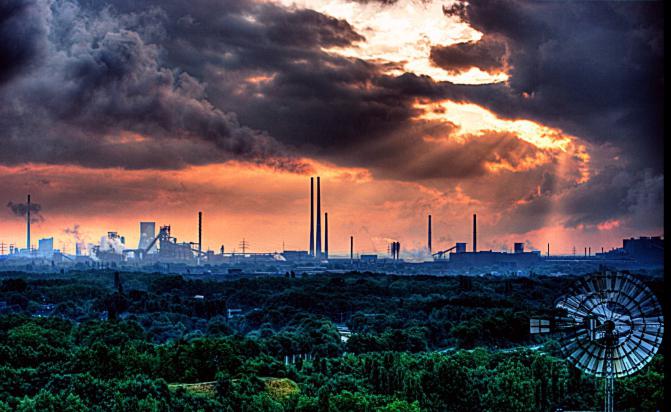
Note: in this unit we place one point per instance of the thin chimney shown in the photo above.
(28, 226)
(429, 234)
(312, 216)
(326, 235)
(319, 221)
(351, 248)
(475, 232)
(200, 233)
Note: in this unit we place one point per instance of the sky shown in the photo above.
(543, 117)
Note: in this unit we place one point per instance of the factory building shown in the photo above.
(147, 235)
(169, 249)
(296, 255)
(45, 247)
(644, 250)
(460, 258)
(490, 258)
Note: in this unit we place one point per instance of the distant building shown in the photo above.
(490, 258)
(460, 248)
(147, 235)
(46, 246)
(368, 258)
(296, 255)
(645, 249)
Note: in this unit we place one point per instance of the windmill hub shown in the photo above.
(609, 326)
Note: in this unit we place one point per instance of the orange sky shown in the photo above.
(269, 208)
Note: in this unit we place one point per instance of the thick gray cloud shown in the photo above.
(632, 199)
(21, 26)
(100, 81)
(487, 54)
(594, 69)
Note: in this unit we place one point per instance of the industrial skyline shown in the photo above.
(317, 242)
(550, 132)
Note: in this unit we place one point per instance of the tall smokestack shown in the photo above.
(312, 216)
(28, 226)
(326, 235)
(475, 232)
(318, 241)
(351, 248)
(200, 233)
(429, 235)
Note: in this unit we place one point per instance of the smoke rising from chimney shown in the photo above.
(112, 244)
(21, 210)
(74, 232)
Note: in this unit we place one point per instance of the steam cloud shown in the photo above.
(112, 245)
(74, 232)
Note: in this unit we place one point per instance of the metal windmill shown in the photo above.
(611, 326)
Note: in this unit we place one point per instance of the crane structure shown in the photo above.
(441, 254)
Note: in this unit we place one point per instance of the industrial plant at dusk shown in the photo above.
(332, 206)
(159, 250)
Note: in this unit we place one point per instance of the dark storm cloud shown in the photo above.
(617, 194)
(631, 198)
(100, 81)
(316, 101)
(20, 30)
(487, 54)
(122, 84)
(320, 104)
(594, 69)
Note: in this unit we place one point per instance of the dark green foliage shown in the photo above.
(417, 343)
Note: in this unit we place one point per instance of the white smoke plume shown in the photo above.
(111, 244)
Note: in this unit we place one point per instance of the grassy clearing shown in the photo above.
(280, 388)
(200, 388)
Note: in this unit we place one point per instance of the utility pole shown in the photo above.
(244, 245)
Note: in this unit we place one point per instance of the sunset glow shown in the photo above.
(403, 33)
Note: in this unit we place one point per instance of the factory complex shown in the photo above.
(157, 250)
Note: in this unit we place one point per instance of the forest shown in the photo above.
(125, 341)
